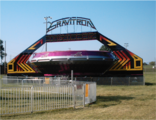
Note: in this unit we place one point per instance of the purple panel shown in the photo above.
(73, 53)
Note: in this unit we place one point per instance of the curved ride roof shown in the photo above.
(72, 55)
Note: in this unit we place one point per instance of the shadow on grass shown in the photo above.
(28, 114)
(106, 101)
(147, 83)
(113, 98)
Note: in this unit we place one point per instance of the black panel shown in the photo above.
(71, 37)
(137, 63)
(10, 67)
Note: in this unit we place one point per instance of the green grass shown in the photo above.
(113, 102)
(150, 78)
(148, 66)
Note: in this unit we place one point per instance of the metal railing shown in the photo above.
(16, 81)
(40, 98)
(35, 81)
(114, 80)
(29, 95)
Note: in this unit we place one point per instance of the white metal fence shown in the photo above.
(19, 81)
(35, 81)
(17, 96)
(114, 80)
(30, 99)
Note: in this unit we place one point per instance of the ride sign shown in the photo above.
(70, 21)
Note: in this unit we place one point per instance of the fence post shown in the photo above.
(74, 96)
(32, 99)
(17, 80)
(59, 80)
(84, 94)
(0, 82)
(143, 80)
(111, 80)
(72, 75)
(39, 80)
(129, 81)
(22, 84)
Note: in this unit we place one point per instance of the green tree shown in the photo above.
(152, 63)
(1, 49)
(145, 63)
(103, 47)
(2, 53)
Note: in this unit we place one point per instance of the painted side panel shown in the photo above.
(18, 65)
(128, 61)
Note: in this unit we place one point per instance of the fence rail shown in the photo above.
(114, 80)
(38, 81)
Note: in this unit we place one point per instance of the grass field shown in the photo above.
(113, 102)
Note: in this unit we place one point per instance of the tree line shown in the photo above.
(2, 55)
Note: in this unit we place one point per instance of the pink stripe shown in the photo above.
(72, 53)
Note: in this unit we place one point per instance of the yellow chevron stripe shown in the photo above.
(22, 72)
(30, 68)
(123, 64)
(32, 47)
(22, 67)
(115, 65)
(111, 43)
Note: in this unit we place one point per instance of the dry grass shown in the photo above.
(113, 102)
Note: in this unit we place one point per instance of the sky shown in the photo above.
(22, 23)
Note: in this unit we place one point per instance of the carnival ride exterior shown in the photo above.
(121, 62)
